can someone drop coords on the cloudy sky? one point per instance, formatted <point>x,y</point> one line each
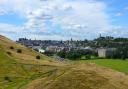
<point>63,19</point>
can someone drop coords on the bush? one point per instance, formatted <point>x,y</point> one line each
<point>11,47</point>
<point>19,51</point>
<point>37,57</point>
<point>123,57</point>
<point>9,53</point>
<point>7,79</point>
<point>88,56</point>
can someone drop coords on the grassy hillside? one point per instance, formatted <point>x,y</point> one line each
<point>24,71</point>
<point>18,69</point>
<point>83,76</point>
<point>27,54</point>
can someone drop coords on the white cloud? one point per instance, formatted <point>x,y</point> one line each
<point>2,12</point>
<point>84,17</point>
<point>77,18</point>
<point>11,31</point>
<point>10,28</point>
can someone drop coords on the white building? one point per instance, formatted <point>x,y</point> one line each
<point>41,50</point>
<point>105,52</point>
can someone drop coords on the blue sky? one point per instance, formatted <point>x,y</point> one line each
<point>12,19</point>
<point>63,19</point>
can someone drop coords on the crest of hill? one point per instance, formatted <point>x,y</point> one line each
<point>27,56</point>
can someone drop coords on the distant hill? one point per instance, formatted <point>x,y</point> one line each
<point>21,70</point>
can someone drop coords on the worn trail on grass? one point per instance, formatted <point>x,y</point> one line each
<point>84,76</point>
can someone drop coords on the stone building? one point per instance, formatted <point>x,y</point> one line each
<point>106,52</point>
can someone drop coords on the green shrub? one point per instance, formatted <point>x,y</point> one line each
<point>61,54</point>
<point>11,47</point>
<point>7,79</point>
<point>9,53</point>
<point>37,57</point>
<point>73,55</point>
<point>19,51</point>
<point>88,56</point>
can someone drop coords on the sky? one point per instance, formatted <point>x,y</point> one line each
<point>63,19</point>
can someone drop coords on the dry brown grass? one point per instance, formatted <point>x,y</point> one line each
<point>83,76</point>
<point>27,56</point>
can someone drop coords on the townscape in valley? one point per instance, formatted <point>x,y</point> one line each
<point>101,47</point>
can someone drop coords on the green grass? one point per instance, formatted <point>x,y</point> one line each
<point>119,65</point>
<point>16,67</point>
<point>19,74</point>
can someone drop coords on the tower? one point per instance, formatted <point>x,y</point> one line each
<point>100,35</point>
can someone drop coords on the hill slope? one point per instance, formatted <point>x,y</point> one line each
<point>24,71</point>
<point>84,76</point>
<point>18,69</point>
<point>27,55</point>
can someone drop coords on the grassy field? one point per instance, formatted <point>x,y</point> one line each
<point>119,65</point>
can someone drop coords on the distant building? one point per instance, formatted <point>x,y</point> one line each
<point>41,50</point>
<point>54,49</point>
<point>36,47</point>
<point>106,52</point>
<point>88,48</point>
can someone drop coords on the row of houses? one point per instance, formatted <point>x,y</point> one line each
<point>102,52</point>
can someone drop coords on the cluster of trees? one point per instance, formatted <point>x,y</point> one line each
<point>76,54</point>
<point>110,42</point>
<point>121,53</point>
<point>70,55</point>
<point>121,44</point>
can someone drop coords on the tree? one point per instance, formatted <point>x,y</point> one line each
<point>61,54</point>
<point>121,53</point>
<point>73,55</point>
<point>88,56</point>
